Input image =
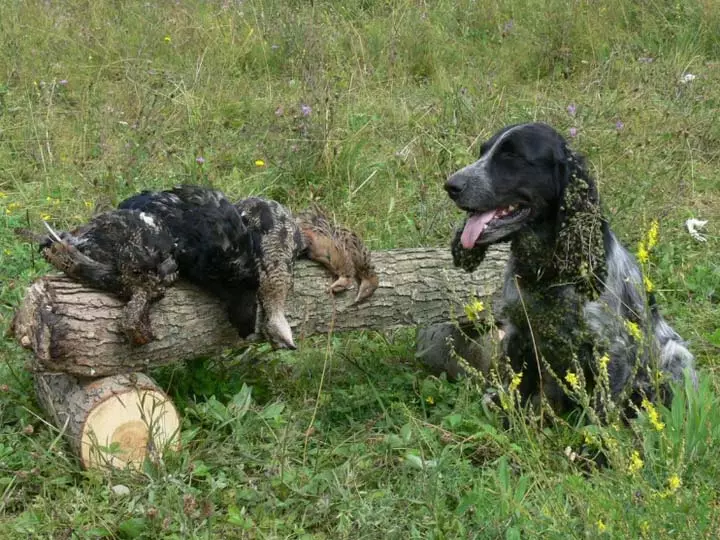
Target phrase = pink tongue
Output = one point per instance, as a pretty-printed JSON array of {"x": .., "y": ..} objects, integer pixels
[{"x": 474, "y": 227}]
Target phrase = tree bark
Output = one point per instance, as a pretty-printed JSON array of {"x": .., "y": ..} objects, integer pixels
[
  {"x": 73, "y": 329},
  {"x": 112, "y": 421}
]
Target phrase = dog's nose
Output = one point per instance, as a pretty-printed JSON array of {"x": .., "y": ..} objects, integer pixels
[{"x": 455, "y": 185}]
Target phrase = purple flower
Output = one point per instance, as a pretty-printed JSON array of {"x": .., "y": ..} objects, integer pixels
[
  {"x": 200, "y": 160},
  {"x": 573, "y": 132},
  {"x": 571, "y": 109},
  {"x": 508, "y": 26},
  {"x": 279, "y": 111},
  {"x": 63, "y": 82},
  {"x": 305, "y": 110},
  {"x": 619, "y": 125}
]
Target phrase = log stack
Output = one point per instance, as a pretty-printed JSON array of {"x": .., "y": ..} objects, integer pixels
[{"x": 92, "y": 384}]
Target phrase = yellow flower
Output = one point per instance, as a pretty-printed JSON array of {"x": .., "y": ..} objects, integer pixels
[
  {"x": 644, "y": 528},
  {"x": 604, "y": 361},
  {"x": 473, "y": 309},
  {"x": 3, "y": 195},
  {"x": 674, "y": 483},
  {"x": 259, "y": 163},
  {"x": 636, "y": 462},
  {"x": 653, "y": 415},
  {"x": 652, "y": 235},
  {"x": 642, "y": 253},
  {"x": 12, "y": 206},
  {"x": 634, "y": 330},
  {"x": 46, "y": 217},
  {"x": 430, "y": 400},
  {"x": 168, "y": 39},
  {"x": 515, "y": 382},
  {"x": 88, "y": 204},
  {"x": 649, "y": 286},
  {"x": 7, "y": 252},
  {"x": 572, "y": 380},
  {"x": 601, "y": 526}
]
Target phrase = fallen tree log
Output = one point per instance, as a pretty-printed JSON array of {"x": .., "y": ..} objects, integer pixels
[
  {"x": 113, "y": 421},
  {"x": 73, "y": 329}
]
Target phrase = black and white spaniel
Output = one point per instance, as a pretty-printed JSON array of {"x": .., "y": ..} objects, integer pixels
[{"x": 573, "y": 301}]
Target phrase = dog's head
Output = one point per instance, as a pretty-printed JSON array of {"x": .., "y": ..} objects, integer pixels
[{"x": 520, "y": 178}]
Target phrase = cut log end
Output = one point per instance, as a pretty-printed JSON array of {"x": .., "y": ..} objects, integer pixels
[{"x": 115, "y": 421}]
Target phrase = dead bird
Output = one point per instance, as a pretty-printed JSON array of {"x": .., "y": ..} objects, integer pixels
[
  {"x": 125, "y": 252},
  {"x": 214, "y": 247},
  {"x": 340, "y": 250},
  {"x": 278, "y": 243}
]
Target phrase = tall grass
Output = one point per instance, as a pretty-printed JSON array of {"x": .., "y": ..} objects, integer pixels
[{"x": 365, "y": 106}]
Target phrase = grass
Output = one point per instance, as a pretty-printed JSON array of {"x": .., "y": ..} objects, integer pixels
[{"x": 100, "y": 99}]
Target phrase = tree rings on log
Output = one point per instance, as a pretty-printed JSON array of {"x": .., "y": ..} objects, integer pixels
[{"x": 114, "y": 421}]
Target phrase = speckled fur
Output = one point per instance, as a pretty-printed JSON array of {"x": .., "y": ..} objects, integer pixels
[
  {"x": 341, "y": 251},
  {"x": 570, "y": 286}
]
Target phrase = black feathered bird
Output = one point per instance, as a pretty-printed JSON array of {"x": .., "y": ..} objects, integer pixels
[
  {"x": 126, "y": 252},
  {"x": 214, "y": 248}
]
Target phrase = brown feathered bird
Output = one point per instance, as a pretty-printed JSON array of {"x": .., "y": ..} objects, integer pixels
[
  {"x": 125, "y": 252},
  {"x": 341, "y": 251},
  {"x": 278, "y": 244}
]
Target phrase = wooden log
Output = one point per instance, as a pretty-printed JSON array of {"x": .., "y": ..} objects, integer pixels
[
  {"x": 75, "y": 330},
  {"x": 110, "y": 422}
]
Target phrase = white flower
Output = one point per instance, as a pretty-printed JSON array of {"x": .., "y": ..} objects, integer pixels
[
  {"x": 687, "y": 77},
  {"x": 693, "y": 225}
]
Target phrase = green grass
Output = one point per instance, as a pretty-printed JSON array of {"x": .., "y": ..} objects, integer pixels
[{"x": 100, "y": 99}]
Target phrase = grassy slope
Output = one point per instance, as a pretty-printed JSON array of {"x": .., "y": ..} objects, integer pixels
[{"x": 99, "y": 99}]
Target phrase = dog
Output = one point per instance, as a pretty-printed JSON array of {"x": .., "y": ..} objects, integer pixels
[{"x": 574, "y": 307}]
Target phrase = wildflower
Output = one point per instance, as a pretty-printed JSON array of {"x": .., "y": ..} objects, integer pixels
[
  {"x": 259, "y": 163},
  {"x": 168, "y": 39},
  {"x": 279, "y": 111},
  {"x": 200, "y": 160},
  {"x": 646, "y": 60},
  {"x": 3, "y": 195},
  {"x": 571, "y": 109},
  {"x": 305, "y": 110},
  {"x": 430, "y": 400},
  {"x": 88, "y": 204},
  {"x": 515, "y": 382},
  {"x": 274, "y": 47},
  {"x": 604, "y": 361},
  {"x": 7, "y": 252},
  {"x": 653, "y": 415},
  {"x": 644, "y": 528},
  {"x": 573, "y": 132},
  {"x": 46, "y": 217},
  {"x": 649, "y": 286},
  {"x": 473, "y": 309},
  {"x": 653, "y": 233},
  {"x": 601, "y": 527},
  {"x": 62, "y": 82},
  {"x": 636, "y": 462},
  {"x": 619, "y": 125},
  {"x": 572, "y": 380},
  {"x": 634, "y": 330},
  {"x": 674, "y": 483},
  {"x": 12, "y": 206},
  {"x": 642, "y": 253}
]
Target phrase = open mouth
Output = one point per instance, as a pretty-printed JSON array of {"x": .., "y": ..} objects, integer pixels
[{"x": 482, "y": 225}]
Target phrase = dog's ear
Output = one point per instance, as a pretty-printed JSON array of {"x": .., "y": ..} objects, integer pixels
[{"x": 467, "y": 259}]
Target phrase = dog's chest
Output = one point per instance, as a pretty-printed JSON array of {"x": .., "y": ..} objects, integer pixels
[{"x": 551, "y": 318}]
